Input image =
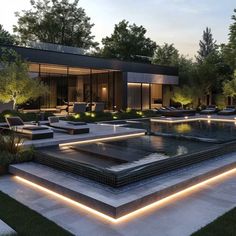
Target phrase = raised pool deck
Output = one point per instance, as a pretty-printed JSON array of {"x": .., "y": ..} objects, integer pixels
[
  {"x": 181, "y": 215},
  {"x": 118, "y": 202},
  {"x": 97, "y": 132}
]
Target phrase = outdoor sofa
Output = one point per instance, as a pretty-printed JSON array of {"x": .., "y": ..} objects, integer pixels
[
  {"x": 29, "y": 131},
  {"x": 68, "y": 126},
  {"x": 229, "y": 110},
  {"x": 174, "y": 112}
]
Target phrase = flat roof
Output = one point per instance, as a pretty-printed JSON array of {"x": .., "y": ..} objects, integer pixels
[{"x": 75, "y": 60}]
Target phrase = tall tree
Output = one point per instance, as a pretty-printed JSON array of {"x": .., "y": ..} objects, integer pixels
[
  {"x": 128, "y": 42},
  {"x": 166, "y": 55},
  {"x": 207, "y": 45},
  {"x": 55, "y": 21},
  {"x": 230, "y": 49},
  {"x": 5, "y": 37}
]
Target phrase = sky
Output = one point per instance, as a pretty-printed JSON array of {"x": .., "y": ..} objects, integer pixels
[{"x": 180, "y": 22}]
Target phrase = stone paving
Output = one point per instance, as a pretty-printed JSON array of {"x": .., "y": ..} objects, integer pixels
[
  {"x": 5, "y": 229},
  {"x": 179, "y": 217},
  {"x": 96, "y": 132},
  {"x": 117, "y": 202}
]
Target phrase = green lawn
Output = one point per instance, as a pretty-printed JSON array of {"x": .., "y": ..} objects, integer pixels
[
  {"x": 223, "y": 226},
  {"x": 26, "y": 221}
]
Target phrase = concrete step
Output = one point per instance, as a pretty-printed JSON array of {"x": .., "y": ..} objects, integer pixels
[{"x": 118, "y": 202}]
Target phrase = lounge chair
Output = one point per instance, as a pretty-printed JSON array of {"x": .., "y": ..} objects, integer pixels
[
  {"x": 68, "y": 126},
  {"x": 29, "y": 131},
  {"x": 79, "y": 107},
  {"x": 209, "y": 110},
  {"x": 98, "y": 107},
  {"x": 229, "y": 110},
  {"x": 174, "y": 112}
]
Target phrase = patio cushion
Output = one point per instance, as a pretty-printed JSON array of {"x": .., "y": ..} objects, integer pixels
[
  {"x": 53, "y": 119},
  {"x": 14, "y": 121},
  {"x": 35, "y": 128}
]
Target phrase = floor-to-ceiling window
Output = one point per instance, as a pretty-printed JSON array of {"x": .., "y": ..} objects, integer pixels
[
  {"x": 134, "y": 95},
  {"x": 156, "y": 95},
  {"x": 143, "y": 96},
  {"x": 71, "y": 84}
]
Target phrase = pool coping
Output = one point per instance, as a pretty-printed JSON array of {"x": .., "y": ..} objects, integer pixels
[{"x": 117, "y": 203}]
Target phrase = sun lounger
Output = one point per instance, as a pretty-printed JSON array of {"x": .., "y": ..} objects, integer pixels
[
  {"x": 229, "y": 110},
  {"x": 174, "y": 112},
  {"x": 78, "y": 107},
  {"x": 32, "y": 132},
  {"x": 68, "y": 126},
  {"x": 98, "y": 107},
  {"x": 209, "y": 110}
]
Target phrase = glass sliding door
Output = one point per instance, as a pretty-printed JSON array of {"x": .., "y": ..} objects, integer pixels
[{"x": 134, "y": 96}]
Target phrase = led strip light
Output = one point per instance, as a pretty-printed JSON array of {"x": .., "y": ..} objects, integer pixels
[
  {"x": 130, "y": 215},
  {"x": 187, "y": 119},
  {"x": 103, "y": 139}
]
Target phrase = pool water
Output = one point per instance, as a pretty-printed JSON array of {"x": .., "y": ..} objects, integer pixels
[
  {"x": 213, "y": 131},
  {"x": 124, "y": 161}
]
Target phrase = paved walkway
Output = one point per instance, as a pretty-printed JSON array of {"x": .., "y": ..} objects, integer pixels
[
  {"x": 183, "y": 216},
  {"x": 5, "y": 229}
]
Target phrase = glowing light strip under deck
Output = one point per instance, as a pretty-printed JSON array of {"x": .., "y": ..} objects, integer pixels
[
  {"x": 170, "y": 120},
  {"x": 135, "y": 213},
  {"x": 103, "y": 139}
]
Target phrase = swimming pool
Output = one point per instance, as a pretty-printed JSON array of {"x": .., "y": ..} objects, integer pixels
[{"x": 166, "y": 147}]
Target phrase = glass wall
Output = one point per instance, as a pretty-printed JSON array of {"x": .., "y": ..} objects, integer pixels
[
  {"x": 156, "y": 96},
  {"x": 68, "y": 85},
  {"x": 134, "y": 96},
  {"x": 142, "y": 96}
]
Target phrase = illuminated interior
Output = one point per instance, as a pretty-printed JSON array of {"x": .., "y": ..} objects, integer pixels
[{"x": 70, "y": 84}]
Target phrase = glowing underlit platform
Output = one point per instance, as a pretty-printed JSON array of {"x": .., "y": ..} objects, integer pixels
[
  {"x": 97, "y": 133},
  {"x": 117, "y": 205}
]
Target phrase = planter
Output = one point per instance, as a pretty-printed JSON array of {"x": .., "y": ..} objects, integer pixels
[{"x": 3, "y": 169}]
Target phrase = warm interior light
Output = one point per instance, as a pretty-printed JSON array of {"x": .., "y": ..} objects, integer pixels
[
  {"x": 137, "y": 212},
  {"x": 186, "y": 117}
]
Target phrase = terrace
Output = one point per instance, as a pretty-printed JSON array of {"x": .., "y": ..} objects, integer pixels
[{"x": 122, "y": 169}]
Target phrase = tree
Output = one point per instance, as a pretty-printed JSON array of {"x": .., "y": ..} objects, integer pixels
[
  {"x": 166, "y": 55},
  {"x": 128, "y": 42},
  {"x": 229, "y": 50},
  {"x": 207, "y": 45},
  {"x": 16, "y": 85},
  {"x": 5, "y": 37},
  {"x": 229, "y": 87},
  {"x": 55, "y": 21},
  {"x": 183, "y": 95}
]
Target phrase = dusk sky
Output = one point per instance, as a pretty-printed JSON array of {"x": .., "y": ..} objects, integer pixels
[{"x": 173, "y": 21}]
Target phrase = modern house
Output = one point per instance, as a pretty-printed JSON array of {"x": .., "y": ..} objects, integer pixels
[{"x": 73, "y": 77}]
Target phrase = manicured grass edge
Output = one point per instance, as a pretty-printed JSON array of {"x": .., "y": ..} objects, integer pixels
[
  {"x": 26, "y": 221},
  {"x": 225, "y": 225}
]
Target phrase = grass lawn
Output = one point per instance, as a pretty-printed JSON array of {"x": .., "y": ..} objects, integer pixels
[
  {"x": 26, "y": 221},
  {"x": 225, "y": 225}
]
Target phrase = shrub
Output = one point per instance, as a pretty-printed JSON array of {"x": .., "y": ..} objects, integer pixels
[
  {"x": 10, "y": 143},
  {"x": 24, "y": 156},
  {"x": 6, "y": 158},
  {"x": 11, "y": 150},
  {"x": 29, "y": 116}
]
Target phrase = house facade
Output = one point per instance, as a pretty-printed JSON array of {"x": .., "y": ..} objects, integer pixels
[{"x": 72, "y": 77}]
